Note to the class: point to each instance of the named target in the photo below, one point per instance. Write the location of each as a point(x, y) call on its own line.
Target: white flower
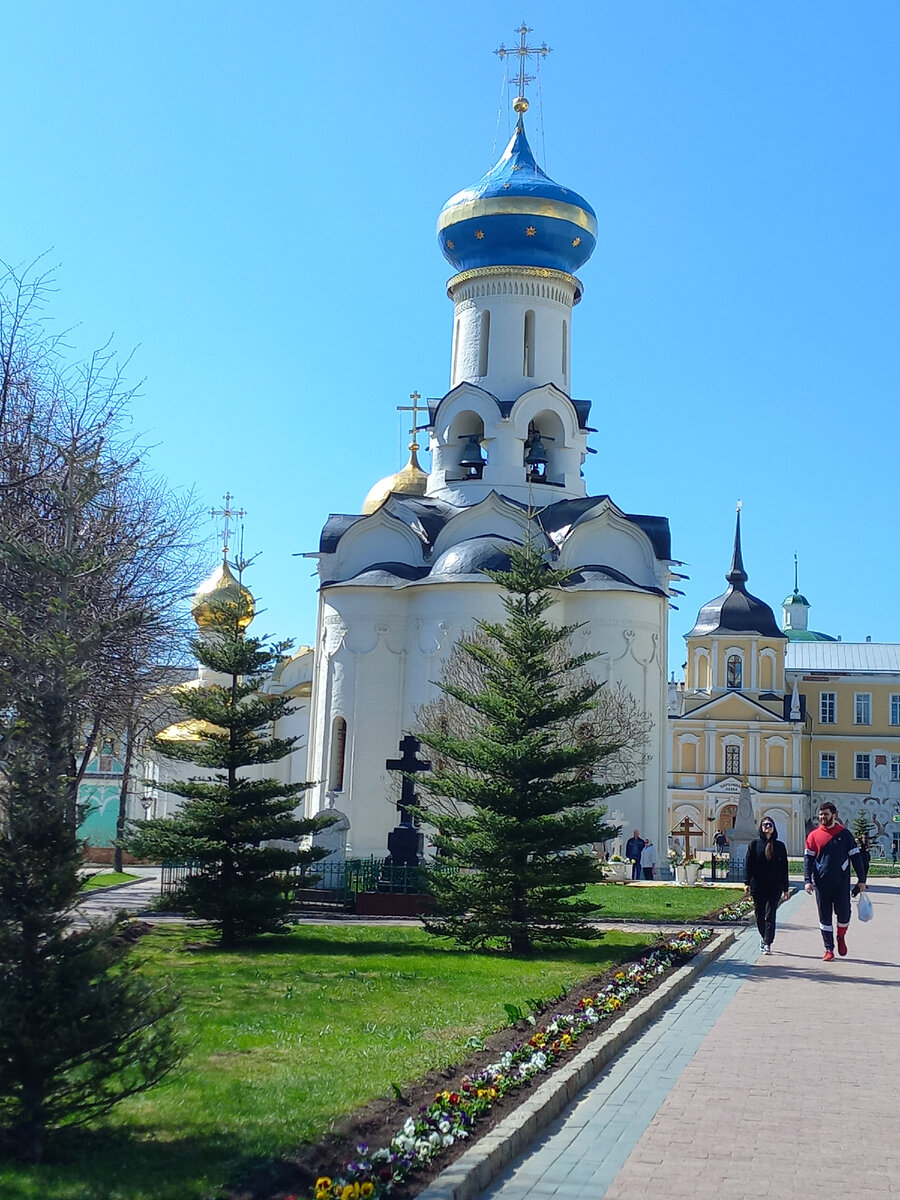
point(444, 1126)
point(410, 1127)
point(447, 1139)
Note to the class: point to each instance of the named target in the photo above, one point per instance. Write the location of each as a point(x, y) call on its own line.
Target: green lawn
point(619, 901)
point(285, 1037)
point(105, 879)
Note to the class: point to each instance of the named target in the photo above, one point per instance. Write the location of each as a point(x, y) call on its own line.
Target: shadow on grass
point(112, 1163)
point(302, 943)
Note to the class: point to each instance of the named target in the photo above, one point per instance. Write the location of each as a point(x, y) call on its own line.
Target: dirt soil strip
point(473, 1171)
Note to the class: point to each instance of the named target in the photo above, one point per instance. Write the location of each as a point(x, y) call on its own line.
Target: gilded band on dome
point(529, 272)
point(529, 206)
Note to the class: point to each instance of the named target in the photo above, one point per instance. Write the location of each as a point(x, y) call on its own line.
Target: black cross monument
point(405, 842)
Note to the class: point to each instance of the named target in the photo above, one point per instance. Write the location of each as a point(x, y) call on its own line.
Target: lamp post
point(146, 805)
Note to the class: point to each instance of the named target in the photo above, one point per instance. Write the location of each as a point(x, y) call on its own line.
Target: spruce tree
point(514, 792)
point(231, 817)
point(79, 1028)
point(862, 826)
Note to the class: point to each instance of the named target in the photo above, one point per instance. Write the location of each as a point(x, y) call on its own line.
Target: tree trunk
point(123, 795)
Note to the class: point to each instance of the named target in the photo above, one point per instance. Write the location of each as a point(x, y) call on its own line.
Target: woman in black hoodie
point(766, 876)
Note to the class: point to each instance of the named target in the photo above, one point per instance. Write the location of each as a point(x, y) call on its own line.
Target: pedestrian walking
point(766, 877)
point(633, 848)
point(830, 850)
point(648, 860)
point(865, 852)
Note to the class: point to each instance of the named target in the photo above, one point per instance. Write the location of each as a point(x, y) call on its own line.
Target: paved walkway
point(131, 897)
point(773, 1076)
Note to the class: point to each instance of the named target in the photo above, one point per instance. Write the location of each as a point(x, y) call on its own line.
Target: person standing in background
point(633, 848)
point(648, 860)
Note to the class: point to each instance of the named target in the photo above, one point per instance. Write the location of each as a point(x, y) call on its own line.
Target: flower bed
point(736, 912)
point(452, 1116)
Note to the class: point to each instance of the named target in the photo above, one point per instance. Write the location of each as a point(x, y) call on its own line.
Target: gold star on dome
point(479, 233)
point(450, 245)
point(506, 184)
point(517, 167)
point(576, 241)
point(530, 231)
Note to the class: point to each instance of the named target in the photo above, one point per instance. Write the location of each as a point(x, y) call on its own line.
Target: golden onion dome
point(411, 481)
point(220, 589)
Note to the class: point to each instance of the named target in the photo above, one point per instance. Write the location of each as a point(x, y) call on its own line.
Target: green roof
point(808, 635)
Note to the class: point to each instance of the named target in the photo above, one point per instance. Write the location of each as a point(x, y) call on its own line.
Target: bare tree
point(95, 558)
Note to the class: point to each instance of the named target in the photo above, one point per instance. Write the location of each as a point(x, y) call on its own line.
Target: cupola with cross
point(515, 239)
point(736, 644)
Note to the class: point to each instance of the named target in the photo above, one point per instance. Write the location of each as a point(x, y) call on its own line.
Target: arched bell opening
point(544, 450)
point(465, 441)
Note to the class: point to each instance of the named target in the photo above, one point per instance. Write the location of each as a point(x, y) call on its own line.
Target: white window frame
point(862, 766)
point(738, 659)
point(895, 767)
point(827, 708)
point(729, 750)
point(895, 708)
point(862, 703)
point(828, 759)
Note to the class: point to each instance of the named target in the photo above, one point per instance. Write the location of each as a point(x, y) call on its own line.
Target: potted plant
point(617, 869)
point(692, 869)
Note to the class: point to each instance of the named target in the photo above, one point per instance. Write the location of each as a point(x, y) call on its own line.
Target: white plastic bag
point(864, 911)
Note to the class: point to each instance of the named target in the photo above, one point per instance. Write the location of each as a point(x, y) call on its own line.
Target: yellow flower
point(323, 1183)
point(350, 1192)
point(367, 1189)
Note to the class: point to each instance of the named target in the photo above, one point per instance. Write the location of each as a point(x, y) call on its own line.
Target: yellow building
point(734, 720)
point(798, 716)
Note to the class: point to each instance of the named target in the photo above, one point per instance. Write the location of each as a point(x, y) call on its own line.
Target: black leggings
point(766, 907)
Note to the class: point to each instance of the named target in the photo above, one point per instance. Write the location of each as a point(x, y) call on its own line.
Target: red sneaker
point(842, 945)
point(828, 956)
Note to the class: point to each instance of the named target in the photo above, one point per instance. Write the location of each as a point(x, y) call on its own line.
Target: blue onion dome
point(516, 216)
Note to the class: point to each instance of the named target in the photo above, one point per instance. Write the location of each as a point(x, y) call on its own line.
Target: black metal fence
point(325, 885)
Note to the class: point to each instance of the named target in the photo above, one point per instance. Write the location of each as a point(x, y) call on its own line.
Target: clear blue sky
point(247, 193)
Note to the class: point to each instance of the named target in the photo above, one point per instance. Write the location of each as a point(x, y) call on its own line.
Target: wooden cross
point(409, 765)
point(687, 830)
point(227, 513)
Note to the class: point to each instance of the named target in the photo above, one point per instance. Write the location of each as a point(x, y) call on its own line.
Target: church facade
point(404, 579)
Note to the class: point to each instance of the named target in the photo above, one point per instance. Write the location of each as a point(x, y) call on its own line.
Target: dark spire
point(737, 574)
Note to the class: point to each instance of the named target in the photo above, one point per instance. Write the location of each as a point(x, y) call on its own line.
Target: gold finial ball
point(520, 104)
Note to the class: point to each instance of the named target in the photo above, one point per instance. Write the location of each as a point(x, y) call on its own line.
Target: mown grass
point(618, 901)
point(286, 1036)
point(107, 879)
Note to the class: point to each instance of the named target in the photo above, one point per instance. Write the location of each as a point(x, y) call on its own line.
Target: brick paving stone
point(773, 1076)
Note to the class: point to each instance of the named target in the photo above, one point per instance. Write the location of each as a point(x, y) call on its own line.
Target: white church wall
point(389, 647)
point(511, 360)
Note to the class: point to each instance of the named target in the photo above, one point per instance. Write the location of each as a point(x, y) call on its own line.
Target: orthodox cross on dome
point(227, 513)
point(415, 408)
point(409, 765)
point(523, 52)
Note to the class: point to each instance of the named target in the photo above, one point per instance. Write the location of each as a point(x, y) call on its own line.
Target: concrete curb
point(474, 1170)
